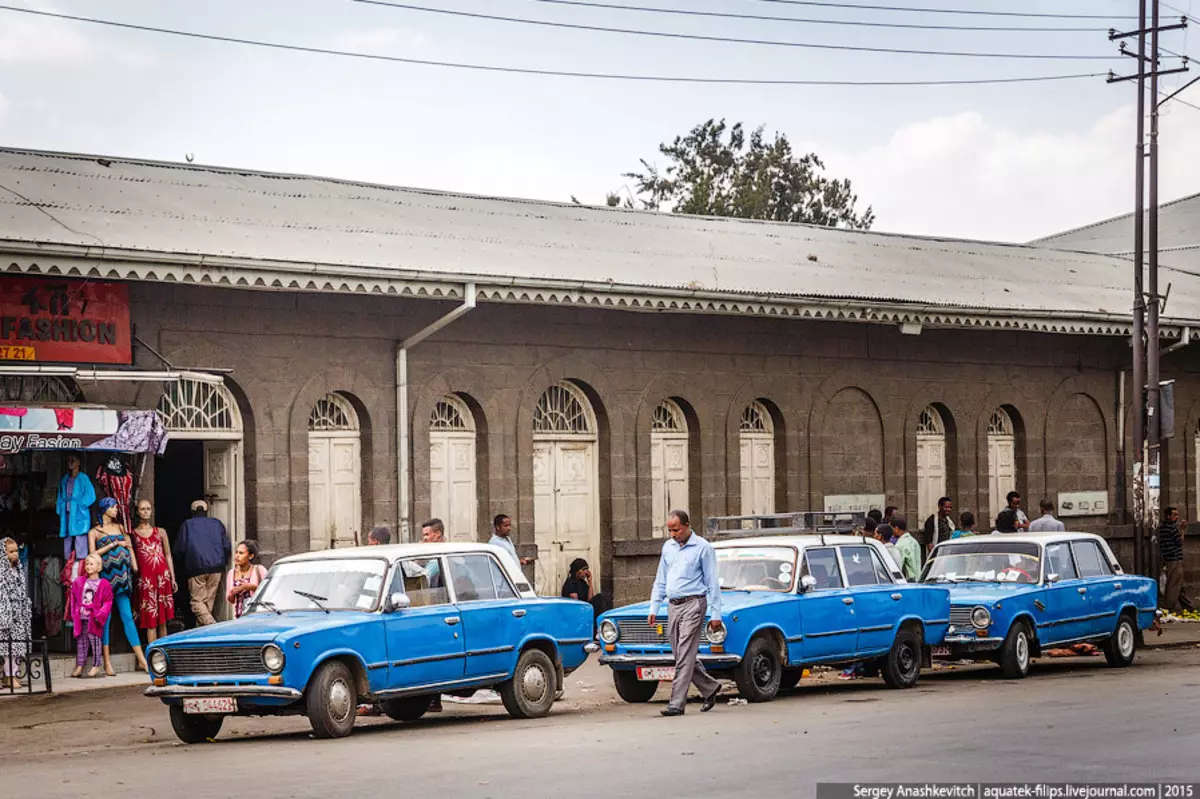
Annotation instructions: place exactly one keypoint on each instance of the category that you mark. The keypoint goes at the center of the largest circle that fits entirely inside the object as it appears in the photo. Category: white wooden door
(452, 487)
(931, 474)
(222, 483)
(1002, 474)
(566, 511)
(668, 475)
(758, 473)
(334, 490)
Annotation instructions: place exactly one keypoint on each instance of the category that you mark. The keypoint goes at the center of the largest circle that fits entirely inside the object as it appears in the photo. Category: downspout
(404, 511)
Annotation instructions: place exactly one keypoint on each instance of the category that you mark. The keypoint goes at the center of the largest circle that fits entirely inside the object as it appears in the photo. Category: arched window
(930, 423)
(191, 409)
(563, 410)
(334, 474)
(757, 419)
(451, 414)
(1001, 423)
(669, 418)
(332, 413)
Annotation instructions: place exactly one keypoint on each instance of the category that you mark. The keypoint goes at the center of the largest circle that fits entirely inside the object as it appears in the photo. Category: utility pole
(1146, 304)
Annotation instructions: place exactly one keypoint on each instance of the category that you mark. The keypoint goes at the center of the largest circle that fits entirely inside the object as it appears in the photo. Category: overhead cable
(925, 10)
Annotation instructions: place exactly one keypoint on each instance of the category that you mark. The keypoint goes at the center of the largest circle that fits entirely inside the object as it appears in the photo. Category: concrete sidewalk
(1175, 633)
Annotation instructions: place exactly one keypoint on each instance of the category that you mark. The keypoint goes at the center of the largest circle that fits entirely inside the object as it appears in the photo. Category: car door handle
(847, 601)
(1116, 585)
(1082, 590)
(452, 620)
(519, 613)
(896, 597)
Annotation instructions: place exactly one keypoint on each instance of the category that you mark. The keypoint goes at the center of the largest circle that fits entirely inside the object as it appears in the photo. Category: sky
(1005, 163)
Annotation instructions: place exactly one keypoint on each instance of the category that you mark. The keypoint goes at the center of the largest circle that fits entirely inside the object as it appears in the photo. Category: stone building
(598, 367)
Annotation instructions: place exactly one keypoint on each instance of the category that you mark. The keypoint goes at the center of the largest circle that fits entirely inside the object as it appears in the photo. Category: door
(1002, 472)
(1067, 603)
(334, 490)
(566, 510)
(931, 474)
(877, 602)
(425, 644)
(222, 466)
(668, 474)
(1102, 593)
(827, 616)
(493, 616)
(758, 473)
(452, 489)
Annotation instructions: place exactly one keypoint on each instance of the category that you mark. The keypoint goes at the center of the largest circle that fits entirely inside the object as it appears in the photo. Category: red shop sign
(72, 321)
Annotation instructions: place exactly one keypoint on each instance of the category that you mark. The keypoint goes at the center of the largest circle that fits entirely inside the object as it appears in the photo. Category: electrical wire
(811, 21)
(695, 37)
(544, 72)
(922, 10)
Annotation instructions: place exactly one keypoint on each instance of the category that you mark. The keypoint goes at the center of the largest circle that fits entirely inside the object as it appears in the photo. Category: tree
(717, 170)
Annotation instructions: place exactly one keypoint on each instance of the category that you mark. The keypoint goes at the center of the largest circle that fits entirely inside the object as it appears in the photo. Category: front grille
(636, 631)
(960, 617)
(202, 661)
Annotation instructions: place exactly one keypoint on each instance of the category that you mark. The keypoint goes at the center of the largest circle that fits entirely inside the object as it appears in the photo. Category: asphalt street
(1072, 720)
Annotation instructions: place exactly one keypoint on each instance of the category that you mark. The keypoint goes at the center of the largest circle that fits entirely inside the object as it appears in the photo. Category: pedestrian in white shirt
(502, 537)
(1047, 523)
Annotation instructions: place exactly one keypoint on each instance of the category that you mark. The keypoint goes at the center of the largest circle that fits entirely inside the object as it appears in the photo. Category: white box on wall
(1083, 503)
(854, 503)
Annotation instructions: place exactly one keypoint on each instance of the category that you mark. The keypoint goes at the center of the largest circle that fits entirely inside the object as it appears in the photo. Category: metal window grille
(332, 412)
(562, 409)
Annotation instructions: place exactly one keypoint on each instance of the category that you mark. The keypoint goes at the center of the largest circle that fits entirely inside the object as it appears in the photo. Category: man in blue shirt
(687, 578)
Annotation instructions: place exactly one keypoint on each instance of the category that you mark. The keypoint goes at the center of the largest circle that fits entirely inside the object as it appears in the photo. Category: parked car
(1016, 595)
(789, 602)
(396, 625)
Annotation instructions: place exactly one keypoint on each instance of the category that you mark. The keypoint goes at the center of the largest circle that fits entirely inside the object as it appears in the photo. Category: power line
(921, 10)
(811, 21)
(726, 39)
(545, 72)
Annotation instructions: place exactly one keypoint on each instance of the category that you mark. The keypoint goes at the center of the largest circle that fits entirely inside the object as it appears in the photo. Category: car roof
(1038, 537)
(393, 551)
(799, 541)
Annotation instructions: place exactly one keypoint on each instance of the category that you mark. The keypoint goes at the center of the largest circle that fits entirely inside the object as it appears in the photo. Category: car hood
(985, 593)
(266, 626)
(731, 601)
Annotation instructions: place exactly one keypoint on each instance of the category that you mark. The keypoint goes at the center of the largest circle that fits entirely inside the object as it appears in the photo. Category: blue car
(397, 625)
(789, 602)
(1016, 595)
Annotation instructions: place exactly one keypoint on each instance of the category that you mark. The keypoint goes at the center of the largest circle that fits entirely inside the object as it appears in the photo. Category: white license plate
(656, 672)
(940, 651)
(210, 705)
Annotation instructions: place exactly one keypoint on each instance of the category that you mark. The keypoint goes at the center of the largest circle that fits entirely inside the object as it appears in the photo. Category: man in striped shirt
(1170, 544)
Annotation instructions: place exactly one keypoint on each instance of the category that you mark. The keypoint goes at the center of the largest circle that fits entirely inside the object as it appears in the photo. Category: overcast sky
(994, 162)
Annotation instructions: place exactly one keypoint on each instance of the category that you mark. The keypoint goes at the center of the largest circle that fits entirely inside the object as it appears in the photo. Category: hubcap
(534, 684)
(1022, 651)
(341, 703)
(763, 671)
(1125, 639)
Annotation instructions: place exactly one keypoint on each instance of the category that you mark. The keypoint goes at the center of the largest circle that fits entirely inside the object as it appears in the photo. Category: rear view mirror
(398, 601)
(807, 583)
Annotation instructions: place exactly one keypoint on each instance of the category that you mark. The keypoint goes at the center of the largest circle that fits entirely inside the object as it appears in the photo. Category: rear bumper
(667, 660)
(238, 691)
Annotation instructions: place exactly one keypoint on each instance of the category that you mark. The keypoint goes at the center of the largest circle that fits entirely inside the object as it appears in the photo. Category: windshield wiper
(316, 600)
(266, 604)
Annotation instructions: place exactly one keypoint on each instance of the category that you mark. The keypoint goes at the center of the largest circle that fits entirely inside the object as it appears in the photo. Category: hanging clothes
(117, 481)
(49, 576)
(76, 495)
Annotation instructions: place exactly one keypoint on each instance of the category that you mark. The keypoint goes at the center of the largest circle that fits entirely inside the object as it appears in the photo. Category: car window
(860, 566)
(504, 589)
(1090, 560)
(882, 573)
(822, 565)
(1058, 561)
(471, 576)
(423, 580)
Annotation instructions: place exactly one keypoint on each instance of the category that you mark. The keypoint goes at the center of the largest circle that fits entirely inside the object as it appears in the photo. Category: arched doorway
(1002, 460)
(566, 478)
(334, 474)
(931, 461)
(668, 460)
(756, 437)
(453, 488)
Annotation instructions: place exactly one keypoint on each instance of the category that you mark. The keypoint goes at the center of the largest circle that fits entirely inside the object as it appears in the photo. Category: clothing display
(156, 597)
(76, 495)
(16, 608)
(117, 481)
(53, 597)
(118, 562)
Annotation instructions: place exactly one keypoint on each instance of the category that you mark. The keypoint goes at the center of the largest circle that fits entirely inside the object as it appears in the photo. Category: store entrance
(178, 481)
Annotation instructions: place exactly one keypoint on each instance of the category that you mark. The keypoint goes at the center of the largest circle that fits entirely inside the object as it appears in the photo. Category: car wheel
(332, 700)
(901, 666)
(760, 672)
(194, 729)
(1017, 651)
(790, 679)
(530, 692)
(633, 690)
(409, 708)
(1122, 646)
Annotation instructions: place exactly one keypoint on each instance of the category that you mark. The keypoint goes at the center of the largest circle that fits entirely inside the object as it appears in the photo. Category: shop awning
(30, 428)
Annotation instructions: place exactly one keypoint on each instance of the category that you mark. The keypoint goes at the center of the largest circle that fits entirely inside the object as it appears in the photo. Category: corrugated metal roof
(203, 211)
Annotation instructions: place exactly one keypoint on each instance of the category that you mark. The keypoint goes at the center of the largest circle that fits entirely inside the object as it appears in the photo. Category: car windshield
(984, 562)
(331, 584)
(756, 568)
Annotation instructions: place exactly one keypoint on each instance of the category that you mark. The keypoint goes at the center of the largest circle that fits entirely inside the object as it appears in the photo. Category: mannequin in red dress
(156, 574)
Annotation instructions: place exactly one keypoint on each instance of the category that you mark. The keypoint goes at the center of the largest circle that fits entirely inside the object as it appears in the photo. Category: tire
(332, 700)
(194, 729)
(790, 679)
(1017, 651)
(530, 693)
(1119, 650)
(760, 671)
(901, 666)
(409, 708)
(633, 690)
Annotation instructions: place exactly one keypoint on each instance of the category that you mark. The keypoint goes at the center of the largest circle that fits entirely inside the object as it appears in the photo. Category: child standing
(16, 613)
(91, 605)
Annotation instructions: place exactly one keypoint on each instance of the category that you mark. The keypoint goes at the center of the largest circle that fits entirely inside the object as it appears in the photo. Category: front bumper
(970, 643)
(667, 660)
(239, 691)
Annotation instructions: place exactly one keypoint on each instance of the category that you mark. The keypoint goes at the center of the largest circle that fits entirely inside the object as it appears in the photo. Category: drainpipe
(1184, 339)
(402, 433)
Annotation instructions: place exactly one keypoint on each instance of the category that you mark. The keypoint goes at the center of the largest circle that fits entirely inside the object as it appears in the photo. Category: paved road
(1071, 720)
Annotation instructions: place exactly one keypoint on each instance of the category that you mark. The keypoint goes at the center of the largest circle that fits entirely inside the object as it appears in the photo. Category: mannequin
(76, 495)
(91, 604)
(110, 542)
(156, 574)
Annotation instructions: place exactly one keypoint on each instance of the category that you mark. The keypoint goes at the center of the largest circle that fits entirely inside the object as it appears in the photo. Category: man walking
(939, 526)
(206, 551)
(687, 578)
(909, 549)
(1047, 523)
(1170, 545)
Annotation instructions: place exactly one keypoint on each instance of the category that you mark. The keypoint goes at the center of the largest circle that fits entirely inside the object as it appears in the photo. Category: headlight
(718, 635)
(158, 663)
(272, 658)
(981, 618)
(609, 632)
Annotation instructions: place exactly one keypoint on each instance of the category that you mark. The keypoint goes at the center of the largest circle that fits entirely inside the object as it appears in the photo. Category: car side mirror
(1052, 578)
(807, 583)
(398, 601)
